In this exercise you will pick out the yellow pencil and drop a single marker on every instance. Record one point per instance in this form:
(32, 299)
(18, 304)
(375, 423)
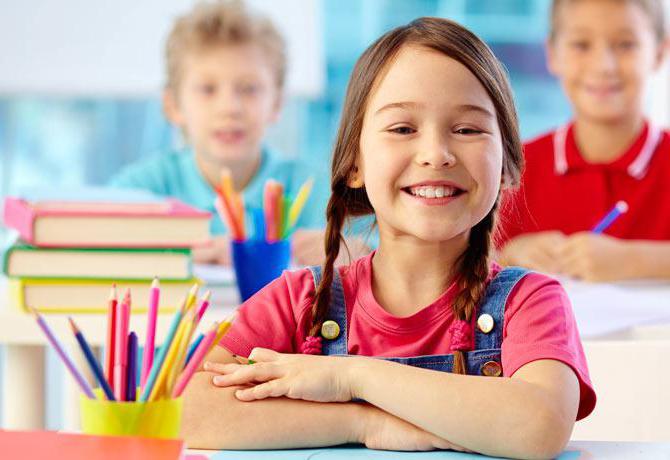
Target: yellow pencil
(181, 354)
(299, 203)
(221, 331)
(170, 358)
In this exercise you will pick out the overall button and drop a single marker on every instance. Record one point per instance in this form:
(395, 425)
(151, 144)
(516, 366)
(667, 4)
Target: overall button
(330, 329)
(491, 369)
(485, 323)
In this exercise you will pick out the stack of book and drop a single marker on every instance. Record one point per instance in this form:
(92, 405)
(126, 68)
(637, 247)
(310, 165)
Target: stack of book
(71, 247)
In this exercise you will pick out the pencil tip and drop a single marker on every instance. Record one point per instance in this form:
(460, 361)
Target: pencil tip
(74, 327)
(207, 296)
(155, 283)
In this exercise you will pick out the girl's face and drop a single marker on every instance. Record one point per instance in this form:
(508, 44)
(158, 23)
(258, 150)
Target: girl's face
(430, 148)
(603, 53)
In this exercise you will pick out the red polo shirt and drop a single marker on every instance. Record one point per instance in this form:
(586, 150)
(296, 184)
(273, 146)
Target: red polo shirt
(560, 190)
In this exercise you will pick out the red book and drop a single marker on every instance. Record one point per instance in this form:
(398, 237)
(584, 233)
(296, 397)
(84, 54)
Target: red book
(166, 223)
(41, 445)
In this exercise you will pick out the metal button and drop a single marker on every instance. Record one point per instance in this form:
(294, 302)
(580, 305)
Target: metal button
(485, 323)
(491, 369)
(330, 329)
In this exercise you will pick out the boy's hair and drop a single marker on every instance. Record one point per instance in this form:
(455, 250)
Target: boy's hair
(222, 23)
(653, 9)
(458, 43)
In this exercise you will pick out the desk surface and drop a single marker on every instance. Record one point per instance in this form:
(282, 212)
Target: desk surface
(576, 450)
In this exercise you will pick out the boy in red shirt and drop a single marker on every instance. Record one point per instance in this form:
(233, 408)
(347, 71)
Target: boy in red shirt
(604, 53)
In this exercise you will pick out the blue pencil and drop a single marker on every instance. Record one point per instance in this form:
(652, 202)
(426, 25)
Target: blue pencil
(95, 366)
(194, 346)
(162, 353)
(131, 383)
(621, 207)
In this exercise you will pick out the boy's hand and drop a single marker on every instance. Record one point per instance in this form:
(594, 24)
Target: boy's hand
(383, 431)
(215, 251)
(595, 257)
(537, 251)
(307, 248)
(296, 376)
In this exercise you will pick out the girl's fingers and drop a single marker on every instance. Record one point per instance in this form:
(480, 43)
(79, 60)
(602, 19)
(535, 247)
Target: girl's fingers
(263, 355)
(259, 372)
(271, 389)
(221, 368)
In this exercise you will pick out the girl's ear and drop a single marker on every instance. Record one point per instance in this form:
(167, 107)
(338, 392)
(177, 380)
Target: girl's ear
(171, 107)
(355, 179)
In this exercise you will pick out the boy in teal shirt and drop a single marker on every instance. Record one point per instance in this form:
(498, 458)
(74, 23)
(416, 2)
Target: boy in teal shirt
(225, 79)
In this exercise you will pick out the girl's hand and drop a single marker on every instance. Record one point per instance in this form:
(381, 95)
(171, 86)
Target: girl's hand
(595, 257)
(384, 431)
(296, 376)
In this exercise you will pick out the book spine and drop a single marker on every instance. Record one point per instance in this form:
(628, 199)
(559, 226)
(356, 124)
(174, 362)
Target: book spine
(19, 216)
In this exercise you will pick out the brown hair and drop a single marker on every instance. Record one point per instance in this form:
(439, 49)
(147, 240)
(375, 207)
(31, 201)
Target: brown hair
(217, 23)
(460, 44)
(653, 9)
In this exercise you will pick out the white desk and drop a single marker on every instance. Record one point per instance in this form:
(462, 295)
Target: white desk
(576, 450)
(629, 367)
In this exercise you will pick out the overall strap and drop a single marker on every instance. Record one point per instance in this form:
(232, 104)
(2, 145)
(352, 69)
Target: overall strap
(337, 311)
(495, 299)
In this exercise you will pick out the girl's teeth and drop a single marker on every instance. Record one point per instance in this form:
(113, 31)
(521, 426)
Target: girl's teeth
(432, 192)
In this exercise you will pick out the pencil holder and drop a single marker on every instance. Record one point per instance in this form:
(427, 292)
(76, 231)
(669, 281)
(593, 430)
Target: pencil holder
(155, 419)
(257, 262)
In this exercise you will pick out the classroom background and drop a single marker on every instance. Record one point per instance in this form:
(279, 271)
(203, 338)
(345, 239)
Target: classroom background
(80, 83)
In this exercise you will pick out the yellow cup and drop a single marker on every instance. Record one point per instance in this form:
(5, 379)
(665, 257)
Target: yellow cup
(155, 419)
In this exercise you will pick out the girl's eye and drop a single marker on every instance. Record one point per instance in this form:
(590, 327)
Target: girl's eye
(404, 130)
(468, 131)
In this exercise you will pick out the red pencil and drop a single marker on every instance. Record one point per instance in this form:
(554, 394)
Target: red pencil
(111, 336)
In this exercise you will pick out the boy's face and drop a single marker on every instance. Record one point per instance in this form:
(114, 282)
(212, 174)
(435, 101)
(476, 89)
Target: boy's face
(603, 53)
(226, 98)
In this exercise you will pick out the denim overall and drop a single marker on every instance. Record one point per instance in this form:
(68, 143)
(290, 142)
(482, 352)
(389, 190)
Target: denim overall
(487, 346)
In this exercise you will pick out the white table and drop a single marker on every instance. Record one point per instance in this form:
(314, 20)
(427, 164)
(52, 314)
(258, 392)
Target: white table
(629, 367)
(576, 450)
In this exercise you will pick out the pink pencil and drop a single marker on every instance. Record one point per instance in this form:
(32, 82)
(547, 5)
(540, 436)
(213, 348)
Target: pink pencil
(111, 337)
(121, 358)
(204, 305)
(270, 211)
(148, 359)
(195, 361)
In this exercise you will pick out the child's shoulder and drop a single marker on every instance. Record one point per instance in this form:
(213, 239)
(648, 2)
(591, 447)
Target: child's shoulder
(542, 144)
(157, 169)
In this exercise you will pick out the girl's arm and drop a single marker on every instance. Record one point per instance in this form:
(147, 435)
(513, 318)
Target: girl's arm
(530, 415)
(214, 419)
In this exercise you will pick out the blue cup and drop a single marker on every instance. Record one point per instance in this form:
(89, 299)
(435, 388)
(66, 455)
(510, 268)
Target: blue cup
(257, 262)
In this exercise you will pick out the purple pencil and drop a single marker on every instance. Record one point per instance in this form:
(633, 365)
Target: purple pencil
(81, 381)
(131, 386)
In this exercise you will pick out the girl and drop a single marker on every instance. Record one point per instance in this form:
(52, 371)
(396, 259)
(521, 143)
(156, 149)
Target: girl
(604, 53)
(473, 357)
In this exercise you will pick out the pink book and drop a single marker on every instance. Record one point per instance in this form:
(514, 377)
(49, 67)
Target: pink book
(157, 223)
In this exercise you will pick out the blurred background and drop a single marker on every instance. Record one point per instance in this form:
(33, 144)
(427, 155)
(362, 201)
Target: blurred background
(80, 81)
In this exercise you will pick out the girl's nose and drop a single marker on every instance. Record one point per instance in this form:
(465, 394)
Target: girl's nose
(436, 155)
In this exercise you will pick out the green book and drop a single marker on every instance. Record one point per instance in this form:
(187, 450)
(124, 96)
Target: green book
(22, 260)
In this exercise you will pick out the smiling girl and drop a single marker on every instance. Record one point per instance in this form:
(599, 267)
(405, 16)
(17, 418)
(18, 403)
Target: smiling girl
(424, 344)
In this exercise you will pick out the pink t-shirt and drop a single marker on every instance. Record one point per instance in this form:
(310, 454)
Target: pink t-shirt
(538, 323)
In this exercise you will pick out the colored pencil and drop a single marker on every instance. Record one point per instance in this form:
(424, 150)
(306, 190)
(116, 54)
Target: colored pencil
(81, 381)
(160, 359)
(226, 214)
(194, 346)
(204, 304)
(299, 203)
(222, 330)
(170, 357)
(180, 357)
(621, 207)
(270, 210)
(92, 361)
(121, 353)
(194, 363)
(131, 385)
(147, 361)
(111, 336)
